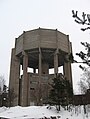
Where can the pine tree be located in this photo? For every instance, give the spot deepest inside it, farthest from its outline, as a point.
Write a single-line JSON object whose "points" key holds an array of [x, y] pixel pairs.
{"points": [[61, 92]]}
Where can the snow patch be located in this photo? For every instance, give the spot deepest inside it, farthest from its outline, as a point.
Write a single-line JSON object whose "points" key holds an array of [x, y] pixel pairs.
{"points": [[38, 112]]}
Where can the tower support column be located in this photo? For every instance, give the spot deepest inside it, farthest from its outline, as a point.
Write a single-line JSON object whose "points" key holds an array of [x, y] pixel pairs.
{"points": [[56, 63], [14, 76], [25, 81], [40, 64], [67, 71], [34, 70]]}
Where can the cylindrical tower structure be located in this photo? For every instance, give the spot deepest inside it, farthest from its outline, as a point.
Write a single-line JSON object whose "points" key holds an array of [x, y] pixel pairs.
{"points": [[40, 49]]}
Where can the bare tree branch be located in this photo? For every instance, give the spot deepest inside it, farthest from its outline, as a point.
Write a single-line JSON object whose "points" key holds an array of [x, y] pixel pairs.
{"points": [[85, 20]]}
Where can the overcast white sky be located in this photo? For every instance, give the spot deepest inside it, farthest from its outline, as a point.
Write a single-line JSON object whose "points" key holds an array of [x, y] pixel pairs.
{"points": [[17, 16]]}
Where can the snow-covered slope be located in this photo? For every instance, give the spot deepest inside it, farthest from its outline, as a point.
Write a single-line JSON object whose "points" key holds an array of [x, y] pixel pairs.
{"points": [[37, 112]]}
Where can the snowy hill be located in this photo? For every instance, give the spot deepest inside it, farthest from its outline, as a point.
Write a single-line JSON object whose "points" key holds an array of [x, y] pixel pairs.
{"points": [[38, 112]]}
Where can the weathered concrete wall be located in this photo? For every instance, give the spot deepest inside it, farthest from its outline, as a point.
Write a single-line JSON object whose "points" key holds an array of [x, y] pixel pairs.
{"points": [[47, 38], [31, 39], [62, 42], [43, 38], [19, 44]]}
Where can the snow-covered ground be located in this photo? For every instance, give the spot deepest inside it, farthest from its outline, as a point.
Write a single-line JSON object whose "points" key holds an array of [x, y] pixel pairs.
{"points": [[38, 112]]}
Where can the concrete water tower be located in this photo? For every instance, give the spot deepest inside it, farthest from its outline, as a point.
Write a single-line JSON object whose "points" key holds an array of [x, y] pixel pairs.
{"points": [[39, 49]]}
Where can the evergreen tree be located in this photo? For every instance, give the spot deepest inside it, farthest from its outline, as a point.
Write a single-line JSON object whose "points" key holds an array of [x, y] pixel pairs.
{"points": [[11, 97], [61, 92]]}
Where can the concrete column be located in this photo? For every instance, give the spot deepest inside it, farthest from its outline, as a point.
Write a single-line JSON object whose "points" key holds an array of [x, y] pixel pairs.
{"points": [[56, 63], [40, 64], [34, 70], [14, 76], [67, 71], [25, 81]]}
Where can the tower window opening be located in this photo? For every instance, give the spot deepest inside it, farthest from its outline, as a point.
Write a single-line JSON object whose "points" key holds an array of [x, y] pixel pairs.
{"points": [[51, 71]]}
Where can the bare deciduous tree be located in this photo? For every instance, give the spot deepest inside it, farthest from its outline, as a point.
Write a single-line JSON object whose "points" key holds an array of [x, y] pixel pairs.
{"points": [[2, 82], [84, 83]]}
